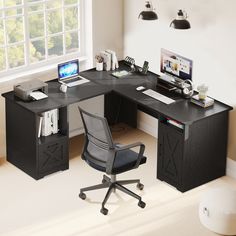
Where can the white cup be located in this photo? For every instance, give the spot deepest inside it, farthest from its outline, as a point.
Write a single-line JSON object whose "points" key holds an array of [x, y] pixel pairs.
{"points": [[99, 66], [202, 91], [63, 88]]}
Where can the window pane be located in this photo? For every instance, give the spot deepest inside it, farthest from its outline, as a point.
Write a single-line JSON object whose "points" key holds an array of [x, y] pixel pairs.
{"points": [[71, 18], [36, 25], [35, 7], [1, 33], [54, 21], [53, 4], [55, 46], [15, 30], [37, 50], [48, 34], [72, 42], [12, 3], [2, 59], [14, 12], [16, 56], [70, 2]]}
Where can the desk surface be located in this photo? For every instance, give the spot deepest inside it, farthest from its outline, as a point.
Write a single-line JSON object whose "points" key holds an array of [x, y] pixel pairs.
{"points": [[57, 99], [182, 110], [103, 82]]}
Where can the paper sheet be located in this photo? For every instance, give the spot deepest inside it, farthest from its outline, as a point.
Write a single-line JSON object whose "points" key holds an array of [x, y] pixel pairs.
{"points": [[37, 95]]}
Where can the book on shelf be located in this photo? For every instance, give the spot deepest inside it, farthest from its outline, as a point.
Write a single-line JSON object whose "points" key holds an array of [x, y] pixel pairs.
{"points": [[207, 102], [175, 123], [40, 126], [49, 123]]}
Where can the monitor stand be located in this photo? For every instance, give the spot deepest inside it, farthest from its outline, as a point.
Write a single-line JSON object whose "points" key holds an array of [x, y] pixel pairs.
{"points": [[167, 78], [166, 85]]}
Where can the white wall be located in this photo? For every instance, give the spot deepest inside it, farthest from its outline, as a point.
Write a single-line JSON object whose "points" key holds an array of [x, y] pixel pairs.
{"points": [[210, 43], [108, 26]]}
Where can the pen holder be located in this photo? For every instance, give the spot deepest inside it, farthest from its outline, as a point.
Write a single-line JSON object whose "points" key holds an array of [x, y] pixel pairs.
{"points": [[99, 66]]}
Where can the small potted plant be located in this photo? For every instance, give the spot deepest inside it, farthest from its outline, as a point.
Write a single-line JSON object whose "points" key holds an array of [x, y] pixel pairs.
{"points": [[99, 62]]}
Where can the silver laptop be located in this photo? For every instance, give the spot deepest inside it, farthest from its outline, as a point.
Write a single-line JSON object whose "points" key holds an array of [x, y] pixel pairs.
{"points": [[68, 73]]}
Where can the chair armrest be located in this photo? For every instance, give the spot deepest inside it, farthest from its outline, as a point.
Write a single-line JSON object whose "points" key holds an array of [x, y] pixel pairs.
{"points": [[129, 146]]}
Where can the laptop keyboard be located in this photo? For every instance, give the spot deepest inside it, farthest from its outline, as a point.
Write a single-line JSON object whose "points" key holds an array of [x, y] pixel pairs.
{"points": [[72, 80], [76, 81]]}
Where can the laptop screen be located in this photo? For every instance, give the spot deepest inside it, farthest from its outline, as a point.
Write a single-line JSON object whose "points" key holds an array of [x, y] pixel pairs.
{"points": [[68, 69]]}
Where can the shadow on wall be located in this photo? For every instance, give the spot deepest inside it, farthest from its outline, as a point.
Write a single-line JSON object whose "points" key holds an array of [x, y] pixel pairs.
{"points": [[232, 135]]}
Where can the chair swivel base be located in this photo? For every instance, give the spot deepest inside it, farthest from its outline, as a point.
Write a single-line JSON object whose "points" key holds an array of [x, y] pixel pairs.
{"points": [[112, 185]]}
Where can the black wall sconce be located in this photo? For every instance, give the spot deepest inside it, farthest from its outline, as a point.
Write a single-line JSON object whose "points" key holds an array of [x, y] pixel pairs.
{"points": [[181, 21], [148, 13]]}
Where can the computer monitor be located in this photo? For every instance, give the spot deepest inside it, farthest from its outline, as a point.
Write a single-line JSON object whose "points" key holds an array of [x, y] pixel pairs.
{"points": [[176, 66]]}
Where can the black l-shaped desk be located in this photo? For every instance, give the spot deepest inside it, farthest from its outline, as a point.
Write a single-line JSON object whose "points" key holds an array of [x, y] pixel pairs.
{"points": [[187, 157]]}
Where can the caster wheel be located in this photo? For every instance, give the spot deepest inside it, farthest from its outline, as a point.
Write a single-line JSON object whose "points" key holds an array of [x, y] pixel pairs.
{"points": [[141, 204], [82, 196], [140, 186], [104, 211]]}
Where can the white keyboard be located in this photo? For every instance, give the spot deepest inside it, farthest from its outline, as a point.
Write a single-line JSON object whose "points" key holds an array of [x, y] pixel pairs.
{"points": [[158, 96], [77, 82]]}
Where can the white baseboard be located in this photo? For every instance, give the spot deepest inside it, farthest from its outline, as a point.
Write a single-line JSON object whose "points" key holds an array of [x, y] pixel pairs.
{"points": [[231, 168], [76, 132], [147, 128]]}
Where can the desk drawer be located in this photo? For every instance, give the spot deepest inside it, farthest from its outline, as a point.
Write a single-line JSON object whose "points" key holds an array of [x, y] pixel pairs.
{"points": [[52, 155]]}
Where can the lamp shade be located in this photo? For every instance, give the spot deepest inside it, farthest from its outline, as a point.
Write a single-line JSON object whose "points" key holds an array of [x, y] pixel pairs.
{"points": [[181, 21], [148, 13]]}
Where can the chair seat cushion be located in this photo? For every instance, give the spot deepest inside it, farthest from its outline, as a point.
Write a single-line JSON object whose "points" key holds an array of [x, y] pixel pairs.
{"points": [[124, 161]]}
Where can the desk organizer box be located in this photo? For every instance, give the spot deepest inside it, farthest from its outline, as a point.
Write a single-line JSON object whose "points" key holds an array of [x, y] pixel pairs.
{"points": [[217, 210]]}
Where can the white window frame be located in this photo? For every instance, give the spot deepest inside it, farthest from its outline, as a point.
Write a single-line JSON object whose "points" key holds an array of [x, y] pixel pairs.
{"points": [[49, 63]]}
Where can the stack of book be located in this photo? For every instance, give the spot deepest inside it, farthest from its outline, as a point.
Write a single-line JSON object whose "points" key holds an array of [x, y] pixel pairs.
{"points": [[207, 102], [110, 60], [175, 123]]}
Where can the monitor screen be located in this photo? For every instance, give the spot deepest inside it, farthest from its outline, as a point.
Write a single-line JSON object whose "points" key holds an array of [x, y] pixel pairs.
{"points": [[68, 69], [176, 65]]}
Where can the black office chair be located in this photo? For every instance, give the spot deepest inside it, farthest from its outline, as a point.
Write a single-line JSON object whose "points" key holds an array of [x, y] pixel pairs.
{"points": [[102, 154]]}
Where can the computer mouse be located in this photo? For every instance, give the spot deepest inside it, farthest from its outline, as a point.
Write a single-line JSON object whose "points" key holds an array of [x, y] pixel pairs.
{"points": [[140, 88]]}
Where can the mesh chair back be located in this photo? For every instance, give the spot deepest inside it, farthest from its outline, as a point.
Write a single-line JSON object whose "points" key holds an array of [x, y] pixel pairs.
{"points": [[98, 138]]}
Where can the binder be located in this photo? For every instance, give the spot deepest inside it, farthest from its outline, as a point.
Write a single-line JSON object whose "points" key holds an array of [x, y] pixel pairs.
{"points": [[50, 122], [107, 60], [114, 61], [40, 126]]}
